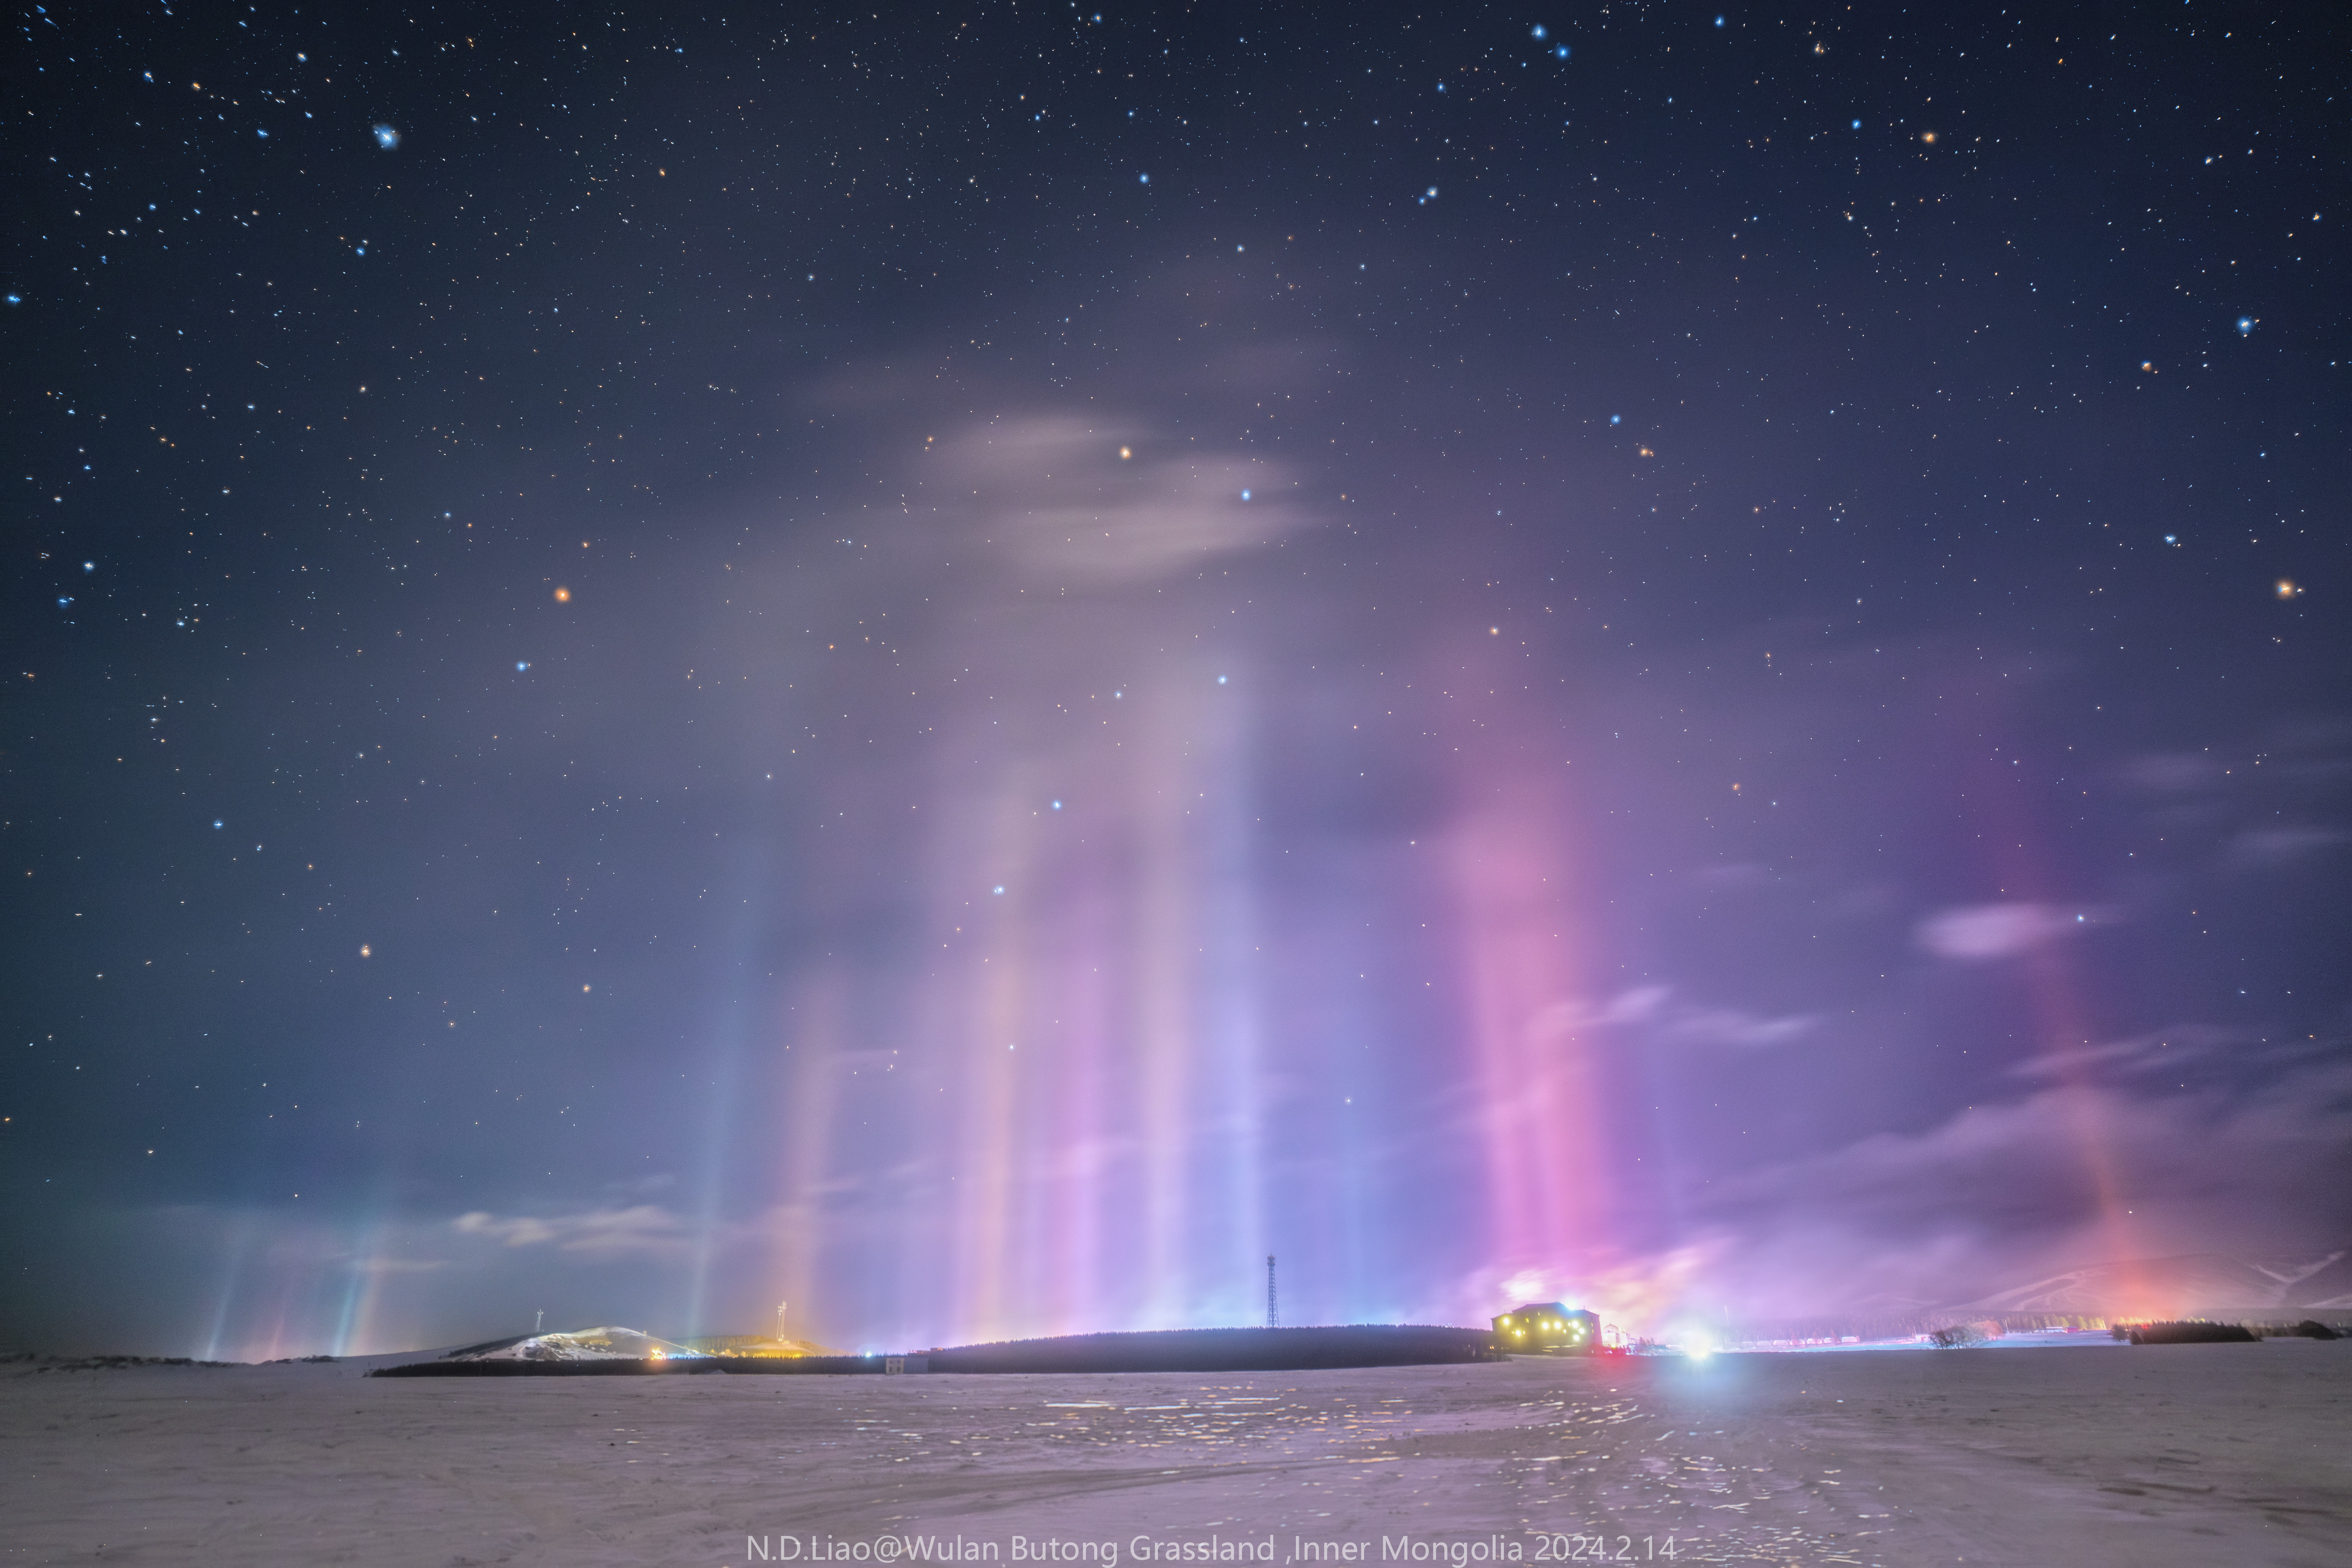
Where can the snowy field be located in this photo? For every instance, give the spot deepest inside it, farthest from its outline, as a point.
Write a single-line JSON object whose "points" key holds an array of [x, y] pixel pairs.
{"points": [[2090, 1454]]}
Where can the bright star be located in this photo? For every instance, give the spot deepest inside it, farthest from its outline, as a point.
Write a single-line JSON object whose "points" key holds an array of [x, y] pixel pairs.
{"points": [[2245, 326], [1538, 32], [386, 137]]}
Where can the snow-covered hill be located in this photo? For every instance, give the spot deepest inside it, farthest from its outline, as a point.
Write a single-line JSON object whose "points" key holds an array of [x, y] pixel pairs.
{"points": [[578, 1344]]}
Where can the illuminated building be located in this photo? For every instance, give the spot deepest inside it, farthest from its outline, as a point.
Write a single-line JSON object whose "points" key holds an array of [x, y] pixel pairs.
{"points": [[1549, 1328]]}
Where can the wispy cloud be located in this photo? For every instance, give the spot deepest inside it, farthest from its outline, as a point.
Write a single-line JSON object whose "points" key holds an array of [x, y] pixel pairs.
{"points": [[645, 1230], [1104, 503], [1732, 1026], [1976, 933], [1630, 1006], [400, 1265], [2170, 1048], [1656, 1008], [2267, 847], [2174, 773]]}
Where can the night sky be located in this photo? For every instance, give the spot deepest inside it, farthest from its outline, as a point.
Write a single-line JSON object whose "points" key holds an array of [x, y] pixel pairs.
{"points": [[968, 668]]}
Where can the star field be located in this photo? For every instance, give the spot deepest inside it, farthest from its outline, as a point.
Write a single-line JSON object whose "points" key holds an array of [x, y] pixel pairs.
{"points": [[1729, 611]]}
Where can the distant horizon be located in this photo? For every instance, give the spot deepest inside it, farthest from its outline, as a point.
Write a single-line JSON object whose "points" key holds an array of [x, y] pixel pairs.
{"points": [[2295, 1304]]}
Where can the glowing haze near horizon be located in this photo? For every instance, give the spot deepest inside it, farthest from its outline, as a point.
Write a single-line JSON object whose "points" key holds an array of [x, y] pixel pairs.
{"points": [[966, 670]]}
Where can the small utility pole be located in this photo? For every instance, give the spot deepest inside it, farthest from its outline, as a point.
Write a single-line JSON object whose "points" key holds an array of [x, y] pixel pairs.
{"points": [[1272, 1317]]}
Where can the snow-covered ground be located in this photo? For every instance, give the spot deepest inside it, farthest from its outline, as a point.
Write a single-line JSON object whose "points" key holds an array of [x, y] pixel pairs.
{"points": [[2080, 1455]]}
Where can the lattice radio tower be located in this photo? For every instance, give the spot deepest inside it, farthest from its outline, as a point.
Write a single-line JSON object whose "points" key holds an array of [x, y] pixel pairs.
{"points": [[1272, 1317]]}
